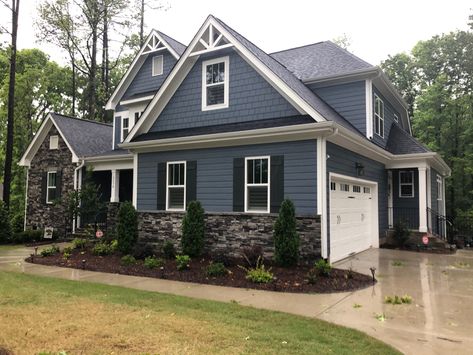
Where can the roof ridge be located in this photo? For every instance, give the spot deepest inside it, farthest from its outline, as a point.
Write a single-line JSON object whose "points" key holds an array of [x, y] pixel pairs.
{"points": [[297, 47], [162, 33], [82, 119]]}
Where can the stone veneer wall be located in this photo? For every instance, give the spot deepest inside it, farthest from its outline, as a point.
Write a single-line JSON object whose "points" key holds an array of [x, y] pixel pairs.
{"points": [[38, 213], [229, 233]]}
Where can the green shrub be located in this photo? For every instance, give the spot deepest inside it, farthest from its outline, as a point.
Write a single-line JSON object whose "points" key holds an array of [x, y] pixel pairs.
{"points": [[215, 269], [168, 250], [152, 262], [322, 268], [18, 223], [286, 238], [401, 233], [114, 245], [127, 228], [68, 250], [66, 255], [193, 229], [27, 236], [182, 262], [5, 226], [102, 248], [259, 274], [79, 243], [128, 260], [52, 250]]}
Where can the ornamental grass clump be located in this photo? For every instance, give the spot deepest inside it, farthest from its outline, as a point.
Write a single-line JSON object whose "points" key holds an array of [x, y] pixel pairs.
{"points": [[259, 273], [286, 238], [193, 230], [127, 228]]}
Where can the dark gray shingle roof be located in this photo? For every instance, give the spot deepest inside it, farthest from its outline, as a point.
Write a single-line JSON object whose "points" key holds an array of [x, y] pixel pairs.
{"points": [[86, 138], [401, 142], [289, 79], [318, 60], [176, 45]]}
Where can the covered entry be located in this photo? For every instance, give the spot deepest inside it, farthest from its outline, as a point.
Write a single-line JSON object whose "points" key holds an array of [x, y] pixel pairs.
{"points": [[353, 216]]}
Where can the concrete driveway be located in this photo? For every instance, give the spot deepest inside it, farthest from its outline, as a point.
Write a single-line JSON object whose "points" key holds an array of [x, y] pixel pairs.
{"points": [[438, 321]]}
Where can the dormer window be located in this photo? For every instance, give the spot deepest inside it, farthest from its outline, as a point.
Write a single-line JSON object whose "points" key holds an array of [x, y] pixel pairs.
{"points": [[157, 65], [378, 116], [215, 80], [125, 127]]}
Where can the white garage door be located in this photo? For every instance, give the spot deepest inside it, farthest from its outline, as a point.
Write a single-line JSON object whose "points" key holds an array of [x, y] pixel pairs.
{"points": [[351, 213]]}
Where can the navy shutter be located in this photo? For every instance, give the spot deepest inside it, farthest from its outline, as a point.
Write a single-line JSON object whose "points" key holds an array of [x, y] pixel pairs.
{"points": [[238, 184], [58, 184], [44, 187], [161, 200], [191, 181], [277, 183]]}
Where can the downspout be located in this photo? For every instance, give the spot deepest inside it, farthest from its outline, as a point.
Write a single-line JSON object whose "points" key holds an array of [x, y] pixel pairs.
{"points": [[76, 172]]}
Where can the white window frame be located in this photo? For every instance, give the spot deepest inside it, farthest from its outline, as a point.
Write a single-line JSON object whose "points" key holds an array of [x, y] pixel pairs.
{"points": [[402, 184], [160, 72], [439, 188], [122, 128], [226, 83], [53, 142], [168, 185], [50, 187], [268, 184], [379, 116]]}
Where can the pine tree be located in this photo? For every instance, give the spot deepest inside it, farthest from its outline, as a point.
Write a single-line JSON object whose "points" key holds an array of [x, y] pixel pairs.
{"points": [[286, 238]]}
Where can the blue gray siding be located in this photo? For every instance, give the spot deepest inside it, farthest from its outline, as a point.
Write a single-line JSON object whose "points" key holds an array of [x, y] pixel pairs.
{"points": [[117, 126], [215, 174], [406, 209], [389, 112], [251, 97], [349, 100], [144, 81], [342, 161]]}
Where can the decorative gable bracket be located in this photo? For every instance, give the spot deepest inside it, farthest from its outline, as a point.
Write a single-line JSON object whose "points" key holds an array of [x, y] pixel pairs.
{"points": [[211, 40], [153, 44]]}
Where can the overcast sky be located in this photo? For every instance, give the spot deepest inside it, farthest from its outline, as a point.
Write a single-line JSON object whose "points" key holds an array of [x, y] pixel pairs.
{"points": [[375, 28]]}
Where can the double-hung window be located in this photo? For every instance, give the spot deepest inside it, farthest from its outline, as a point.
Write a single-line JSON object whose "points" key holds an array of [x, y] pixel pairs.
{"points": [[125, 127], [51, 189], [215, 83], [439, 188], [406, 184], [176, 186], [257, 178], [378, 116], [157, 67]]}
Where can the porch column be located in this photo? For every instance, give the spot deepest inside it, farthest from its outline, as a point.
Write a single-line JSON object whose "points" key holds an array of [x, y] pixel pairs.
{"points": [[115, 194], [422, 199]]}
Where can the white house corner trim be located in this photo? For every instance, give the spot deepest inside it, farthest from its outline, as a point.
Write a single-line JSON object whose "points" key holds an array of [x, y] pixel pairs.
{"points": [[369, 108], [422, 199], [322, 210], [135, 181]]}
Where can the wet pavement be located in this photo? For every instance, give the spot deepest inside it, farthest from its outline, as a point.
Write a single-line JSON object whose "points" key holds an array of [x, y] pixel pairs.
{"points": [[439, 320]]}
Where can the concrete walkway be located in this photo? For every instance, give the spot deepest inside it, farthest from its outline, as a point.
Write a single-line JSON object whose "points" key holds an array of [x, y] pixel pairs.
{"points": [[438, 320]]}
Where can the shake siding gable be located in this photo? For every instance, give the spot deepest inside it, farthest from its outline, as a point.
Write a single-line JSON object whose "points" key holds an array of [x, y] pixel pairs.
{"points": [[348, 100], [214, 188], [251, 97]]}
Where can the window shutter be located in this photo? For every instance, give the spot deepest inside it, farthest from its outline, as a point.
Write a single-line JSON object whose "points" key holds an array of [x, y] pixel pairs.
{"points": [[277, 183], [191, 181], [58, 184], [238, 184], [161, 200], [44, 187]]}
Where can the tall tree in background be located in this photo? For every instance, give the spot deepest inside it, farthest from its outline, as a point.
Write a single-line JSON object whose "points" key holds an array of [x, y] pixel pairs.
{"points": [[7, 174], [141, 6]]}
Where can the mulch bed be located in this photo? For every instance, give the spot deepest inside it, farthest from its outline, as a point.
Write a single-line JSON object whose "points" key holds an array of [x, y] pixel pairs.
{"points": [[292, 279]]}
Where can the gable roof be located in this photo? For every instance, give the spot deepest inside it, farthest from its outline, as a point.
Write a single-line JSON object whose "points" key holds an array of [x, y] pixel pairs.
{"points": [[281, 78], [83, 137], [175, 47], [320, 60], [401, 142]]}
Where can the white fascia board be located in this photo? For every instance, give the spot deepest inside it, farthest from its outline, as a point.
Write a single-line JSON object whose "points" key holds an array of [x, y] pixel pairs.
{"points": [[173, 81], [107, 158], [111, 165], [133, 70], [351, 76]]}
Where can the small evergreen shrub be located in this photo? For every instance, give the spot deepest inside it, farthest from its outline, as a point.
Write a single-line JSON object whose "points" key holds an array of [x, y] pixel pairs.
{"points": [[142, 251], [151, 262], [168, 250], [286, 238], [215, 269], [128, 260], [5, 226], [52, 250], [322, 268], [102, 249], [127, 227], [182, 262], [79, 243], [193, 229], [401, 233], [18, 223], [259, 273], [28, 236]]}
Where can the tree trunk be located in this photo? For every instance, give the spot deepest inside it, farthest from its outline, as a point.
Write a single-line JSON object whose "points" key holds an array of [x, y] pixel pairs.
{"points": [[74, 73], [142, 23], [7, 176], [92, 102]]}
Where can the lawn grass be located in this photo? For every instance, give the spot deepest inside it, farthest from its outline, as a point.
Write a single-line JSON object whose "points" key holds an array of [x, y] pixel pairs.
{"points": [[6, 247], [40, 314]]}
